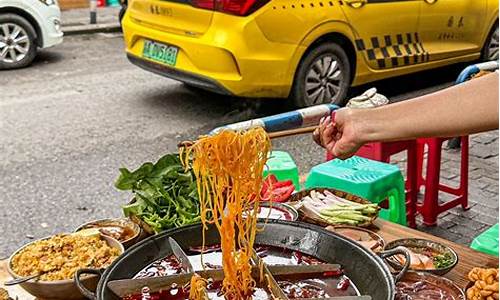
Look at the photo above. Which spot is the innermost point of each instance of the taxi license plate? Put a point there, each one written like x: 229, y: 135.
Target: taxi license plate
x: 159, y: 52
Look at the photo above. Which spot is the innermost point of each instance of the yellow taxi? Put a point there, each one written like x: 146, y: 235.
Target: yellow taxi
x: 309, y: 51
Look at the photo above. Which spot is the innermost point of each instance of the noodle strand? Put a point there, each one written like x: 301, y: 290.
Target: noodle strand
x: 228, y: 167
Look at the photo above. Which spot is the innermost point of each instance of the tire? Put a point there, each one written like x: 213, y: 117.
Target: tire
x: 317, y: 68
x: 122, y: 12
x: 490, y: 49
x: 11, y: 55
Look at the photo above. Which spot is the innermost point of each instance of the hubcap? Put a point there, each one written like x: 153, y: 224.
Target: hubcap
x: 14, y: 43
x: 493, y: 46
x: 323, y: 80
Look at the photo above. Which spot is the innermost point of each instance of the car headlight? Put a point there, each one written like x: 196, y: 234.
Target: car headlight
x: 49, y: 2
x: 57, y: 25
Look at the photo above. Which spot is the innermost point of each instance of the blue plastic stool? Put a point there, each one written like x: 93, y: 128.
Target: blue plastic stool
x: 282, y: 165
x: 366, y: 178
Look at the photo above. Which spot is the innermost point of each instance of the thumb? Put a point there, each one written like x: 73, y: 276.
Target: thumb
x: 343, y: 149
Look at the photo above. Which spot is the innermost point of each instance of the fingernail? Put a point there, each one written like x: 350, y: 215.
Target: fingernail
x: 322, y: 119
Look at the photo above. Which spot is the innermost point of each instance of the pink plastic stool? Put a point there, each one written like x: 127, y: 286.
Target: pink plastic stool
x: 383, y: 152
x: 430, y: 208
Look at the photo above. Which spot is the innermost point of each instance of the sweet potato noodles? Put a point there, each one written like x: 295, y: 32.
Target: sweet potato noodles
x: 198, y: 286
x: 228, y: 167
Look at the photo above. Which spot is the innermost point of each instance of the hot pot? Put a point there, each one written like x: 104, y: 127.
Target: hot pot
x: 367, y: 270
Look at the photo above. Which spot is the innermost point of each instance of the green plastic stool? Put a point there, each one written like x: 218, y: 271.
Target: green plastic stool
x: 113, y: 2
x: 487, y: 242
x: 366, y: 178
x: 281, y: 164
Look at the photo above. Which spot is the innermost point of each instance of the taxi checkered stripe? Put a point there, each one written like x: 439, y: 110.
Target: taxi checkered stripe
x: 394, y: 51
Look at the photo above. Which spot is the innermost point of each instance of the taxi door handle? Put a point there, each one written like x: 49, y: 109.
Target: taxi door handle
x: 430, y: 1
x: 356, y: 3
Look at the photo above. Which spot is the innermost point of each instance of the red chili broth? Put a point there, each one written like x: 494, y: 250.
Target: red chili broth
x: 330, y: 285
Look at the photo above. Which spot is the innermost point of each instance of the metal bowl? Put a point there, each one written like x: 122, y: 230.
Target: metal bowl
x: 59, y: 289
x: 412, y: 243
x: 294, y: 214
x: 124, y: 222
x: 443, y: 283
x: 373, y: 235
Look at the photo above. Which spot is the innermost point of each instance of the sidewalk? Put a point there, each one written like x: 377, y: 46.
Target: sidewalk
x: 77, y: 21
x: 463, y: 226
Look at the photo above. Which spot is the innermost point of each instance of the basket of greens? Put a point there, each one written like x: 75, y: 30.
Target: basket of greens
x: 165, y: 194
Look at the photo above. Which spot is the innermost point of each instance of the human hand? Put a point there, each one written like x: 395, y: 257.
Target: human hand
x: 341, y: 137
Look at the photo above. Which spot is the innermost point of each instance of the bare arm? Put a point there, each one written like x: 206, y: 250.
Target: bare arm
x: 464, y: 109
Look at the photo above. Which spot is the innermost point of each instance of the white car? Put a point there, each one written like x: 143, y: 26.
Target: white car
x: 25, y: 26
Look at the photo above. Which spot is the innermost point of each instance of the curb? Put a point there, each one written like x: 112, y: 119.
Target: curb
x: 91, y: 28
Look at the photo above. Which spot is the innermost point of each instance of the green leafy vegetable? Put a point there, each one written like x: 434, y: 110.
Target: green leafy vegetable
x: 165, y: 193
x: 442, y: 260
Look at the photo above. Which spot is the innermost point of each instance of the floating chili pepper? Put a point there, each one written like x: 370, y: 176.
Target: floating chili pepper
x: 335, y: 273
x: 343, y: 284
x: 298, y: 257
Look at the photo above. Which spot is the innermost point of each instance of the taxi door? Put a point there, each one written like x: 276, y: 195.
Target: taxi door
x: 385, y: 31
x: 451, y: 28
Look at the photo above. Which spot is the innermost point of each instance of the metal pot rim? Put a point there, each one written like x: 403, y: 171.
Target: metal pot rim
x: 379, y: 261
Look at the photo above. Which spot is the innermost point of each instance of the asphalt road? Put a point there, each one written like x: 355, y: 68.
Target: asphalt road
x: 82, y: 111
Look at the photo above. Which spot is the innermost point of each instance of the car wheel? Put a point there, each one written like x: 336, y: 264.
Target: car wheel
x: 490, y: 50
x: 122, y: 12
x: 323, y: 76
x: 17, y: 42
